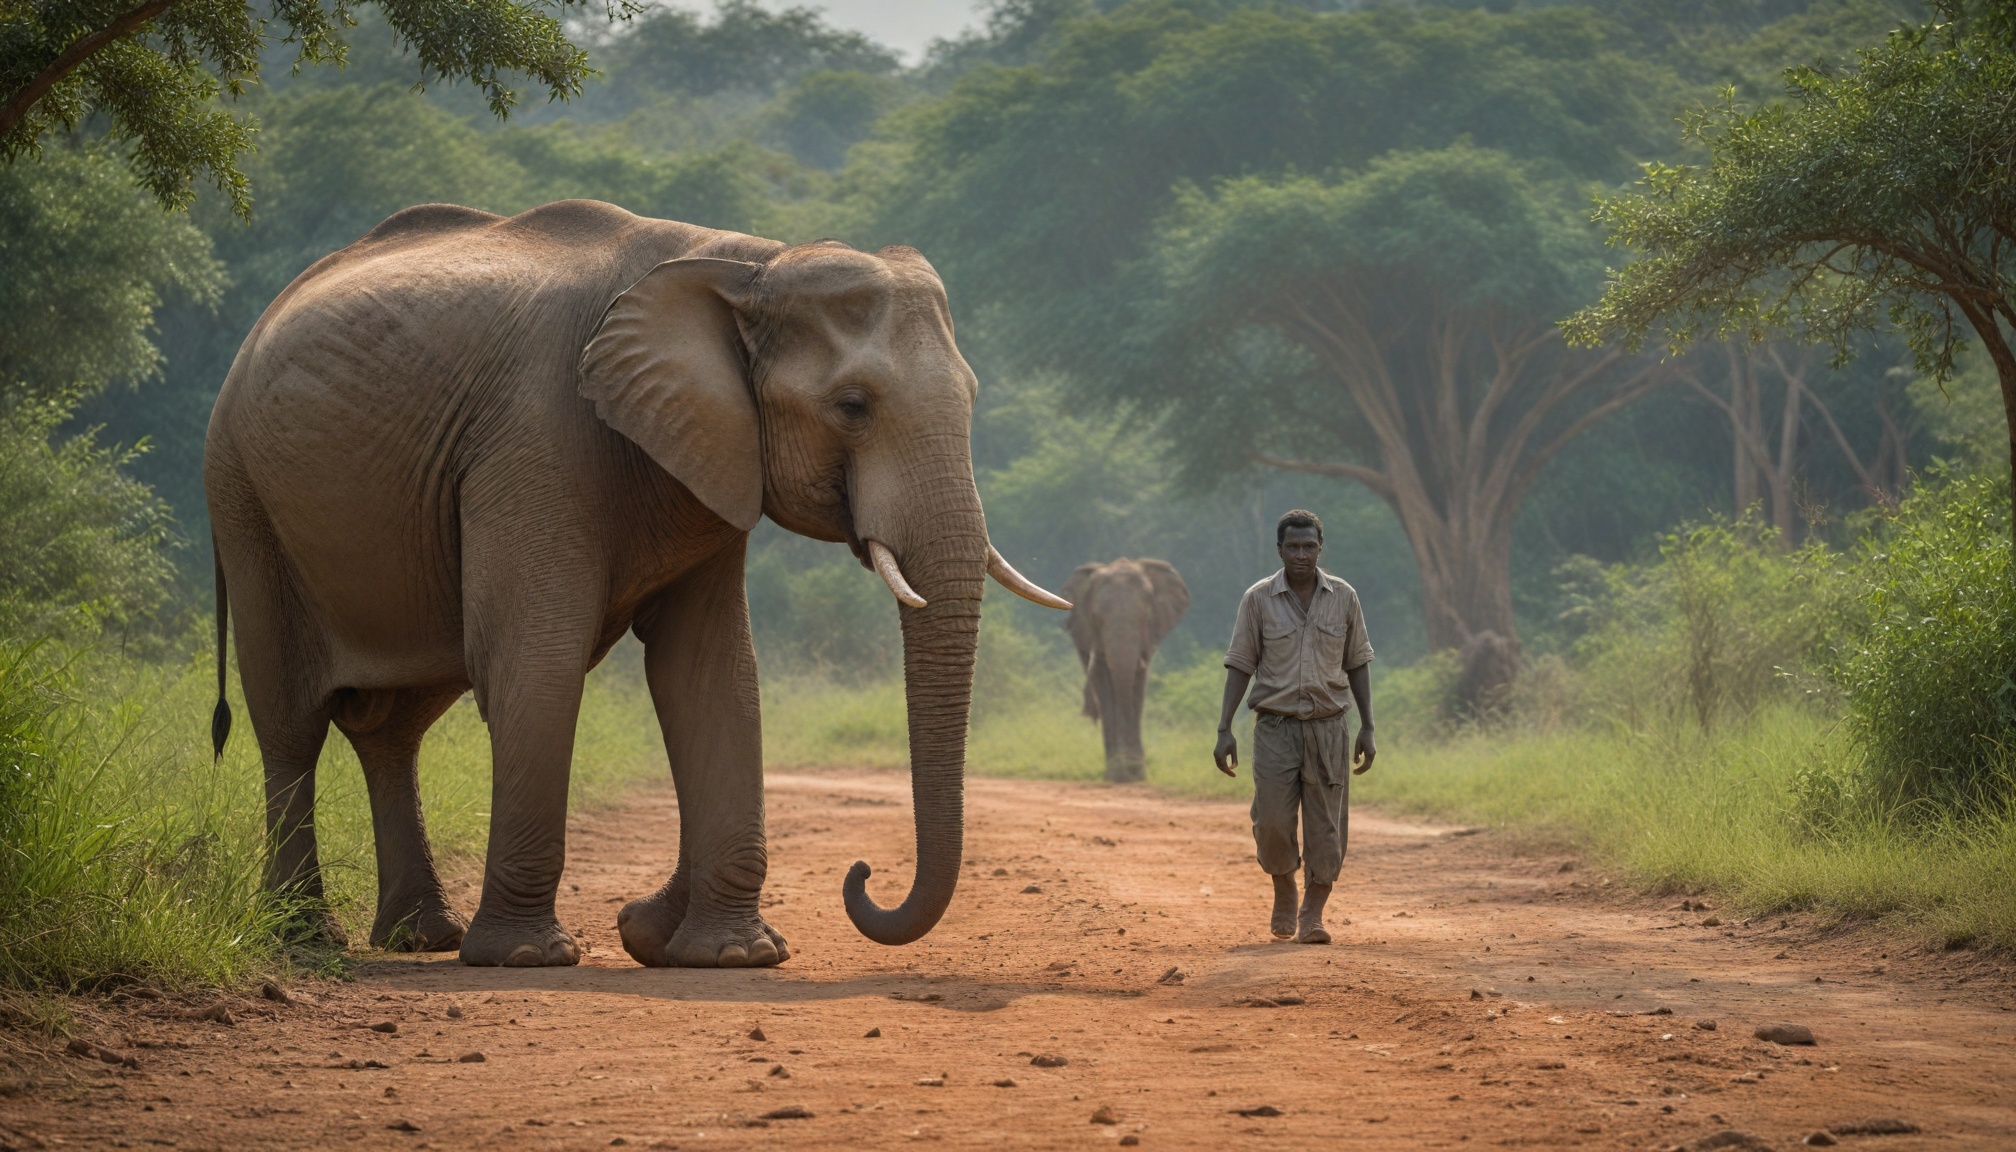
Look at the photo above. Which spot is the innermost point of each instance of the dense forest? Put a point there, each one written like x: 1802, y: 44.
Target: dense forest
x: 1098, y: 434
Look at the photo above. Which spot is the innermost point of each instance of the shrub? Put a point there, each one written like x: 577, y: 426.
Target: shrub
x: 1925, y: 648
x: 82, y: 544
x: 1726, y: 620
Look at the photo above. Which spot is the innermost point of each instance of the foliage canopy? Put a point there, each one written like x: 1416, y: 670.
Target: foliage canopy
x: 153, y: 69
x: 1882, y: 191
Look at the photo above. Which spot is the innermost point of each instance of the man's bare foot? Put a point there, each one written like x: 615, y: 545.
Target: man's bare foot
x: 1309, y: 927
x: 1284, y: 907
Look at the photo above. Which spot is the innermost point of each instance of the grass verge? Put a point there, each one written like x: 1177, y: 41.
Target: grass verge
x: 130, y: 856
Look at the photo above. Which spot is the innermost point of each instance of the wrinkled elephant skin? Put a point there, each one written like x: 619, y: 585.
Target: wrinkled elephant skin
x: 1120, y: 612
x: 469, y: 452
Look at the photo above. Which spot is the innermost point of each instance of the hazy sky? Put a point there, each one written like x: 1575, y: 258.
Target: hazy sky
x: 905, y: 25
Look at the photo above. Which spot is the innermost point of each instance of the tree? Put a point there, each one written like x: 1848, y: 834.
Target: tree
x: 1394, y: 326
x: 84, y: 263
x: 153, y: 70
x: 1034, y: 188
x: 1886, y: 190
x: 1767, y: 452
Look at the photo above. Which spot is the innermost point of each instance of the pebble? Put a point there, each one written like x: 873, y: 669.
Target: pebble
x: 1174, y: 975
x: 385, y: 1026
x: 1032, y: 890
x: 1130, y: 1140
x: 1819, y: 1140
x: 788, y: 1112
x: 1782, y: 1033
x: 454, y: 1012
x: 1886, y: 1126
x: 1705, y: 1025
x: 780, y: 1073
x: 1105, y: 1115
x: 1000, y: 872
x: 757, y: 1034
x: 1048, y: 1061
x: 275, y: 993
x: 1262, y: 1110
x: 1004, y: 1082
x: 470, y: 1058
x: 930, y: 1082
x: 403, y: 1126
x: 1729, y: 1138
x: 872, y: 1034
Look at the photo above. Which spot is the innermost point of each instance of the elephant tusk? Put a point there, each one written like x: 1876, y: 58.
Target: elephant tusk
x: 885, y: 567
x: 1005, y: 574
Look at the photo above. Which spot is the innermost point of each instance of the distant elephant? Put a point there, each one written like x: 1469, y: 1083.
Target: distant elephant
x: 1120, y: 612
x: 469, y: 452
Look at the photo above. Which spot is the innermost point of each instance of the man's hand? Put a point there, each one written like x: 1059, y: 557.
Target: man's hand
x: 1227, y: 754
x: 1365, y: 753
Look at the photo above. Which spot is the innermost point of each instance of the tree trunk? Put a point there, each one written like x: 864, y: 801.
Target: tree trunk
x: 1456, y: 404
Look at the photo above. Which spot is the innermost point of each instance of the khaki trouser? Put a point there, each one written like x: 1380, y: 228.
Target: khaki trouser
x: 1305, y: 764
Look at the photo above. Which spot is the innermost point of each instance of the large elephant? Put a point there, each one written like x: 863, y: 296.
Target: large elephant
x: 1120, y: 612
x: 469, y: 452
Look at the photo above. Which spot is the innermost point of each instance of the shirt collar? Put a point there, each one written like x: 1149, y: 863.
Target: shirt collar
x: 1279, y: 585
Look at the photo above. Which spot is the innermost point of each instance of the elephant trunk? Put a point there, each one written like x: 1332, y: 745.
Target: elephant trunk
x: 1127, y: 672
x: 945, y: 561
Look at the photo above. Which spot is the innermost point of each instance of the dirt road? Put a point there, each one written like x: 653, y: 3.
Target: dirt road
x: 1474, y: 997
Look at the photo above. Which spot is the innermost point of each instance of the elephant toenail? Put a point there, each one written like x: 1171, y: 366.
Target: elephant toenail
x: 733, y: 956
x: 525, y: 956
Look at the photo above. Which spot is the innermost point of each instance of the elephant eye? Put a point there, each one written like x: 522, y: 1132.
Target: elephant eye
x: 852, y: 408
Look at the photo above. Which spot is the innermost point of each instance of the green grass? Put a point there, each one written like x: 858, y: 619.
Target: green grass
x: 131, y: 856
x: 1673, y: 810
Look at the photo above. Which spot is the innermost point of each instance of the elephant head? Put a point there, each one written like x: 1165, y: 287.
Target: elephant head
x: 1120, y: 613
x: 822, y: 387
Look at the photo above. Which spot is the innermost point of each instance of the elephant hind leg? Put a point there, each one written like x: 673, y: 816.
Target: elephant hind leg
x: 278, y: 649
x: 385, y: 726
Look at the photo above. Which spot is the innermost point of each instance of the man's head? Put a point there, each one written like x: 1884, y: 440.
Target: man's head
x: 1298, y: 540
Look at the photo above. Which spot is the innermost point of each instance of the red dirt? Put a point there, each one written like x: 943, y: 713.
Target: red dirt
x: 1474, y: 997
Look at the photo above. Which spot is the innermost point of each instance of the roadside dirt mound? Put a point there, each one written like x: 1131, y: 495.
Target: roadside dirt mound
x: 1104, y: 977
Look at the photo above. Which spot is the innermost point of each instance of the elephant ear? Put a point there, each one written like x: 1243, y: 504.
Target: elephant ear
x: 1079, y: 622
x: 1172, y: 596
x: 667, y: 369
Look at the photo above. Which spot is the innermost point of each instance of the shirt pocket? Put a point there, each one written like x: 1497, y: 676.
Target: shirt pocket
x: 1274, y: 632
x: 1330, y: 641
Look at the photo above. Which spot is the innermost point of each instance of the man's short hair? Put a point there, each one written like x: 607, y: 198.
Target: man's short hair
x: 1297, y: 518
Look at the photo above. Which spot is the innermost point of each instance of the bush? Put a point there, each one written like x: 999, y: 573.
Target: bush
x: 82, y: 544
x: 1925, y: 650
x: 1726, y: 621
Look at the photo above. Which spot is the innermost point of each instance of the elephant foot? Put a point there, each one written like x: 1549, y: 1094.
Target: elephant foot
x: 647, y: 926
x: 492, y: 943
x: 1126, y: 767
x: 735, y: 945
x: 422, y: 924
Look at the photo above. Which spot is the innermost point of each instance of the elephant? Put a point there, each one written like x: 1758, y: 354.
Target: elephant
x: 468, y: 452
x: 1120, y: 612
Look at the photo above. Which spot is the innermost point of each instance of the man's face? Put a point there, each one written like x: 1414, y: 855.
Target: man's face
x: 1299, y: 549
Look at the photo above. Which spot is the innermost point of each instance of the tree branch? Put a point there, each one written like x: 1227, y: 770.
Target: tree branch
x: 22, y: 102
x: 1376, y: 481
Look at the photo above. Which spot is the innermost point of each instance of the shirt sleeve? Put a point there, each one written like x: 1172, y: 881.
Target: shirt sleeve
x: 1243, y: 654
x: 1357, y: 646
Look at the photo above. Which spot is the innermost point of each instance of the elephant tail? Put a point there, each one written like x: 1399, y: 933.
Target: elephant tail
x: 220, y: 717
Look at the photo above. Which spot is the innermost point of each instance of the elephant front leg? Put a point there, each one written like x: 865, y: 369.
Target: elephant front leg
x: 532, y: 705
x: 701, y: 667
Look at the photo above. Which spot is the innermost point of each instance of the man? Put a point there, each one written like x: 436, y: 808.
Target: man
x: 1300, y: 642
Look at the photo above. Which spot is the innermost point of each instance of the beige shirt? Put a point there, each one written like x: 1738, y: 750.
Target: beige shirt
x: 1298, y: 659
